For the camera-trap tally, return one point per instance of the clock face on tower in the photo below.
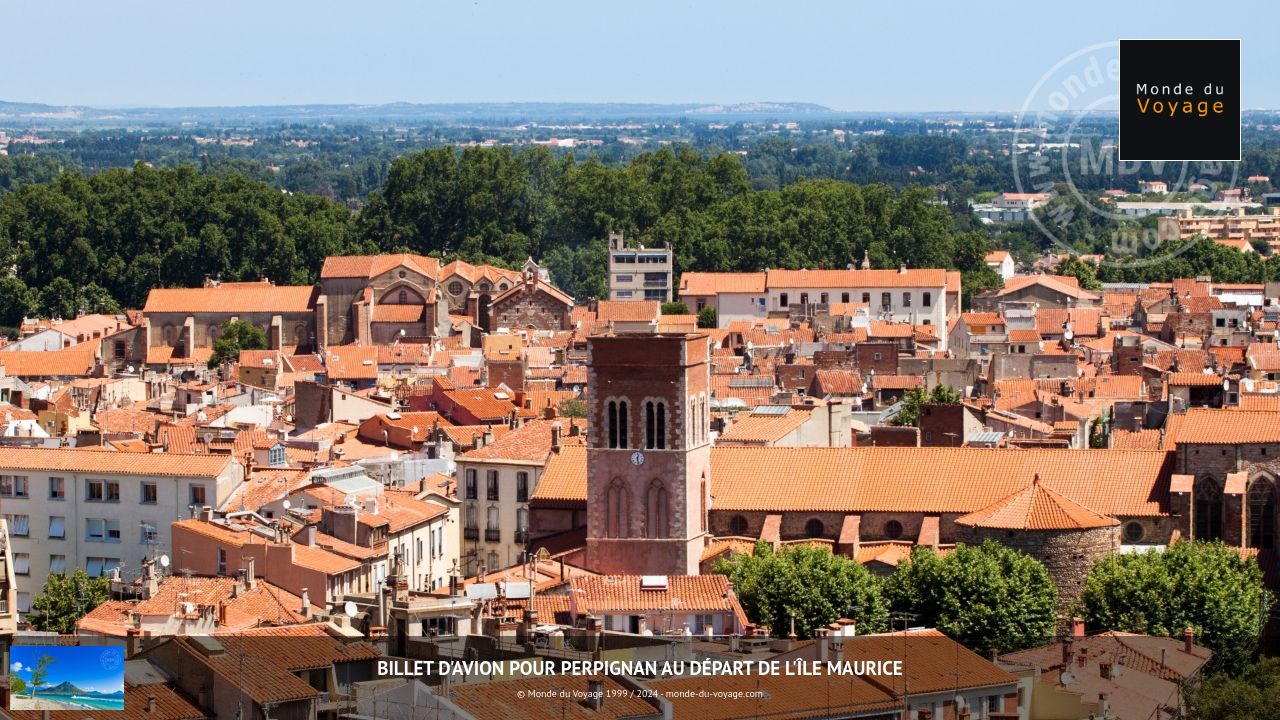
(637, 458)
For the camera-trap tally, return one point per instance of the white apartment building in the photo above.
(495, 483)
(920, 297)
(69, 509)
(639, 273)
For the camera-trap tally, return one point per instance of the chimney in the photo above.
(151, 704)
(206, 513)
(902, 269)
(222, 617)
(1188, 639)
(1067, 652)
(373, 506)
(1077, 627)
(306, 604)
(250, 581)
(549, 412)
(311, 533)
(821, 635)
(595, 694)
(555, 437)
(1104, 707)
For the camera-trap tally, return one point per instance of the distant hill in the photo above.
(62, 688)
(21, 114)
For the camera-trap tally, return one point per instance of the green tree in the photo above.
(66, 598)
(59, 299)
(16, 685)
(987, 597)
(1208, 587)
(1085, 272)
(236, 335)
(16, 301)
(913, 399)
(675, 308)
(40, 673)
(707, 318)
(1252, 695)
(573, 408)
(809, 585)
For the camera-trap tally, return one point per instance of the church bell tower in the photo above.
(648, 453)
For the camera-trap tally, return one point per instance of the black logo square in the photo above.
(1180, 100)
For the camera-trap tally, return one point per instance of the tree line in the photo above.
(100, 242)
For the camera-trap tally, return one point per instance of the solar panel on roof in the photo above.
(482, 591)
(516, 590)
(771, 410)
(751, 382)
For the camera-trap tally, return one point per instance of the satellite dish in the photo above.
(286, 504)
(350, 609)
(187, 608)
(164, 561)
(1068, 334)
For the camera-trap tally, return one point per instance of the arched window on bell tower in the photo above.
(624, 439)
(655, 425)
(611, 409)
(616, 510)
(657, 511)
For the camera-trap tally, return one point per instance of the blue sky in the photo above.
(856, 56)
(88, 668)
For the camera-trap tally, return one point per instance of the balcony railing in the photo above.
(492, 535)
(522, 537)
(471, 533)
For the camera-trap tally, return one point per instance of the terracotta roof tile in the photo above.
(756, 429)
(886, 479)
(707, 283)
(367, 266)
(531, 442)
(784, 279)
(606, 594)
(75, 361)
(232, 298)
(83, 461)
(628, 311)
(351, 362)
(1209, 426)
(1036, 507)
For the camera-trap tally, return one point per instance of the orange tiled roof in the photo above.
(247, 297)
(367, 266)
(531, 442)
(762, 429)
(482, 403)
(886, 479)
(1209, 426)
(1024, 335)
(392, 313)
(83, 461)
(75, 361)
(982, 318)
(1135, 440)
(628, 310)
(896, 382)
(709, 283)
(1036, 507)
(1194, 379)
(504, 700)
(351, 362)
(838, 382)
(606, 594)
(927, 277)
(1259, 403)
(1065, 285)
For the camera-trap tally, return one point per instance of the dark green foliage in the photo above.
(675, 308)
(1253, 695)
(573, 408)
(707, 317)
(236, 335)
(66, 598)
(987, 597)
(807, 584)
(1206, 586)
(909, 413)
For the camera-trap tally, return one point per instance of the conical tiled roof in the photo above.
(1036, 507)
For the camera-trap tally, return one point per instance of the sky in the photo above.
(83, 667)
(851, 56)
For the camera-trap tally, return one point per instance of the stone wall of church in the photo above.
(529, 309)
